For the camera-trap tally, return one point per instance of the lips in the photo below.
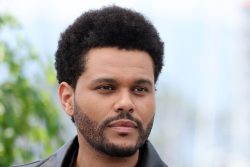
(123, 123)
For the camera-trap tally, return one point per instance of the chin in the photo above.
(125, 142)
(120, 148)
(125, 145)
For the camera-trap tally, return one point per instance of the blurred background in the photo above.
(203, 107)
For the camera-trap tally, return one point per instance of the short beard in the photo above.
(94, 134)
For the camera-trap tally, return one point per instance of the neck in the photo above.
(88, 156)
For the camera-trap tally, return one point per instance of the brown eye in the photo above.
(140, 90)
(105, 88)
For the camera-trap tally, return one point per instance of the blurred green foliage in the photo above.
(29, 120)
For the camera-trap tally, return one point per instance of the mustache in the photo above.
(122, 115)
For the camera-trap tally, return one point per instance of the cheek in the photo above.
(146, 110)
(96, 109)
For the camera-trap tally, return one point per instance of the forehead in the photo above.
(113, 61)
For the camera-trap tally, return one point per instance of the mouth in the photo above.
(123, 126)
(123, 123)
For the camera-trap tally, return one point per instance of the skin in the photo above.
(115, 81)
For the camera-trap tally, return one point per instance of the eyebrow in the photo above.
(110, 80)
(104, 80)
(144, 81)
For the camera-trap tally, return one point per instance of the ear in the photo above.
(66, 95)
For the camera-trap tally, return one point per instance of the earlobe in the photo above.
(66, 95)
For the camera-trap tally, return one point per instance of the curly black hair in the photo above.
(111, 26)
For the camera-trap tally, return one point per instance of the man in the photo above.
(107, 63)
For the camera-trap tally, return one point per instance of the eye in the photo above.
(140, 90)
(105, 88)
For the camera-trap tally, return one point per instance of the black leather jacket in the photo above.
(61, 157)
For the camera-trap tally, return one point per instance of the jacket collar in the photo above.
(63, 156)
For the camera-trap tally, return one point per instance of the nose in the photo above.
(124, 103)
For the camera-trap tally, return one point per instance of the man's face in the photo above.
(114, 100)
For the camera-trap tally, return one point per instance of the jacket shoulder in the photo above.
(151, 157)
(56, 159)
(32, 164)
